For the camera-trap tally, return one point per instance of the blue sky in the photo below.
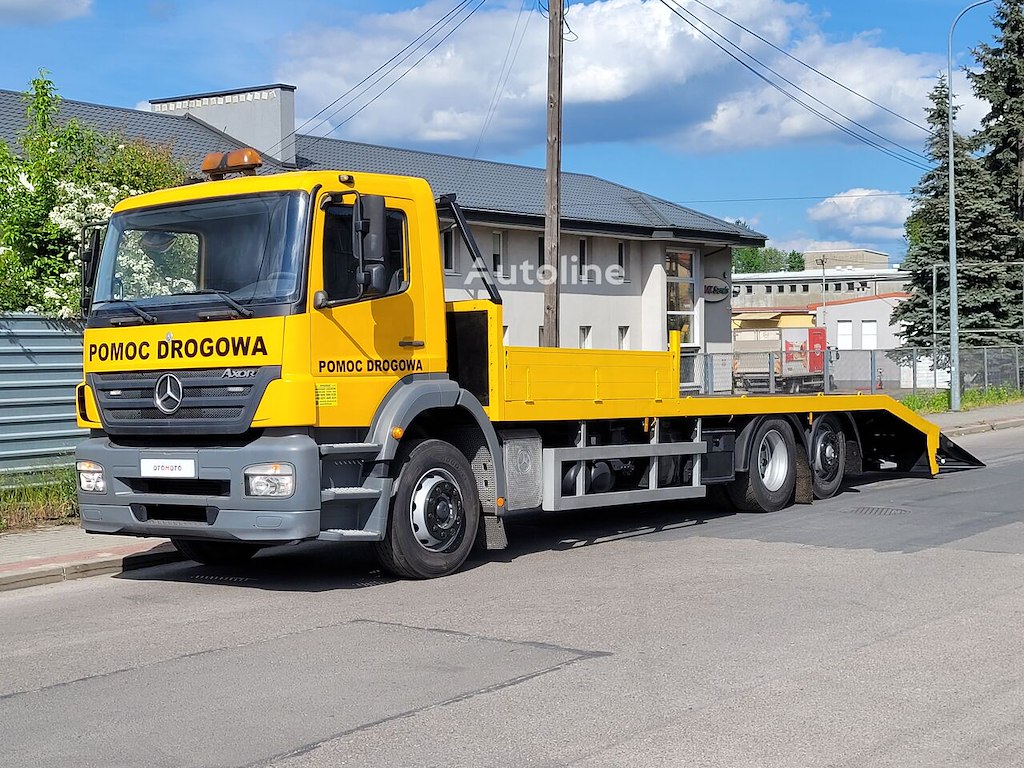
(648, 103)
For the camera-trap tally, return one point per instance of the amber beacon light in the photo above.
(217, 165)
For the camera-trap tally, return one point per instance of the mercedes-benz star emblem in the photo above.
(168, 393)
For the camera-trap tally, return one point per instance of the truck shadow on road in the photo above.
(321, 567)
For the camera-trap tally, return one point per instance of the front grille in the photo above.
(211, 412)
(210, 403)
(179, 487)
(180, 513)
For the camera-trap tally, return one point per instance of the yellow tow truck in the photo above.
(270, 359)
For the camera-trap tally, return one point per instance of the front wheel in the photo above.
(216, 552)
(435, 512)
(768, 483)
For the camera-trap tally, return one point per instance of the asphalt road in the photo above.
(880, 628)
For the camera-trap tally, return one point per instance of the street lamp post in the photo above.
(954, 309)
(824, 303)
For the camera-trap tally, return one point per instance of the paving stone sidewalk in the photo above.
(67, 552)
(60, 553)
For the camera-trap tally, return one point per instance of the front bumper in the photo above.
(210, 505)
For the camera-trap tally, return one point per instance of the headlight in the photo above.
(90, 477)
(276, 480)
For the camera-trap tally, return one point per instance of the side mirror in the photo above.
(369, 243)
(90, 259)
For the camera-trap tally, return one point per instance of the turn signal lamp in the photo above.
(217, 165)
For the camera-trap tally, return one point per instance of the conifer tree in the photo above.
(1000, 83)
(989, 291)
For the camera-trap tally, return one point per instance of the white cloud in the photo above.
(866, 215)
(804, 244)
(634, 71)
(42, 11)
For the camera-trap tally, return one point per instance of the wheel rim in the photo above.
(437, 511)
(826, 453)
(772, 460)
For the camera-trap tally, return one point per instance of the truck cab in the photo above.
(242, 336)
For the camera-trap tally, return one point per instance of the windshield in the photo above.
(249, 248)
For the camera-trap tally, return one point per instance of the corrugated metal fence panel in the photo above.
(40, 364)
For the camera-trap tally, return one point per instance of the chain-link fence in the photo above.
(895, 372)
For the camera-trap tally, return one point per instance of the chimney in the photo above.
(262, 117)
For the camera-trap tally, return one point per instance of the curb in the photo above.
(94, 566)
(988, 426)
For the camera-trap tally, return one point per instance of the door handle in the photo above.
(410, 343)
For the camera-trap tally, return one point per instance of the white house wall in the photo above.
(601, 305)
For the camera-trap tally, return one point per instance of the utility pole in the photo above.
(552, 213)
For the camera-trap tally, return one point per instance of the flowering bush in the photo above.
(63, 176)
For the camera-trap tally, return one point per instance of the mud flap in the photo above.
(804, 491)
(491, 533)
(952, 457)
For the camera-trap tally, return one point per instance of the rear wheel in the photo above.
(828, 456)
(435, 513)
(770, 479)
(216, 552)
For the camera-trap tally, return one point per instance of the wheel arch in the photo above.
(746, 434)
(438, 408)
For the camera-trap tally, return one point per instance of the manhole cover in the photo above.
(876, 511)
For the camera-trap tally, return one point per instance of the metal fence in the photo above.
(40, 364)
(895, 372)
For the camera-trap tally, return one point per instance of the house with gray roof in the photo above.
(633, 265)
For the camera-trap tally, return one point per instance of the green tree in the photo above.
(1000, 83)
(986, 232)
(60, 176)
(765, 260)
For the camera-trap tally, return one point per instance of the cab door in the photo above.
(364, 342)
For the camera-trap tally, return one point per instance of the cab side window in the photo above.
(341, 265)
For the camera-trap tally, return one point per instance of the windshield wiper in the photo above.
(243, 311)
(121, 320)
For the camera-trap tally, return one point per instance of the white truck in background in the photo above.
(770, 360)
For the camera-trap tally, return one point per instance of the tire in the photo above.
(435, 512)
(216, 552)
(768, 484)
(827, 456)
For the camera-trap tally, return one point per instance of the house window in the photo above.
(869, 334)
(767, 289)
(839, 286)
(585, 341)
(448, 251)
(849, 286)
(782, 289)
(540, 252)
(792, 288)
(681, 304)
(623, 260)
(504, 335)
(584, 261)
(498, 253)
(805, 288)
(540, 336)
(844, 334)
(750, 289)
(623, 337)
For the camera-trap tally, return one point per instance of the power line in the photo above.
(503, 76)
(384, 69)
(853, 134)
(802, 63)
(794, 85)
(411, 67)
